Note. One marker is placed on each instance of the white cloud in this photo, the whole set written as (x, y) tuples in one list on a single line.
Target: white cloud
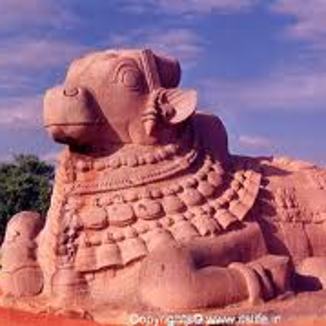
[(14, 9), (187, 6), (23, 60), (33, 12), (24, 57), (15, 82), (255, 142), (37, 53), (51, 157), (310, 22), (21, 112), (297, 85), (181, 43), (294, 91)]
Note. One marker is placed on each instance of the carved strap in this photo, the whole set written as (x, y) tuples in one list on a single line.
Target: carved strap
[(150, 70)]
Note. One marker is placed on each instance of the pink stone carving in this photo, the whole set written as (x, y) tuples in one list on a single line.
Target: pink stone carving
[(21, 275), (150, 209)]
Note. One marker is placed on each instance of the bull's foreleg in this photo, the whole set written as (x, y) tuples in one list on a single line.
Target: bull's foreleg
[(213, 272)]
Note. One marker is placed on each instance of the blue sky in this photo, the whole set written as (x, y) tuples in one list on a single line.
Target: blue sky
[(258, 64)]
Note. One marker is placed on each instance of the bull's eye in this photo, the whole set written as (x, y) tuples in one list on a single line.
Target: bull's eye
[(127, 73), (131, 78)]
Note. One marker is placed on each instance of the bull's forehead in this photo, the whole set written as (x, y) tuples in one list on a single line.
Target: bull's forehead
[(93, 65)]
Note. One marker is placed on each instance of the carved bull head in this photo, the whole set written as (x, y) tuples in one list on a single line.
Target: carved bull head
[(120, 97)]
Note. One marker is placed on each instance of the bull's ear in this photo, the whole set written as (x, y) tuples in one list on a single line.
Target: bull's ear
[(172, 105), (177, 105)]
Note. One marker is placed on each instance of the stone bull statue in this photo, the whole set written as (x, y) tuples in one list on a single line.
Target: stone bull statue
[(150, 208)]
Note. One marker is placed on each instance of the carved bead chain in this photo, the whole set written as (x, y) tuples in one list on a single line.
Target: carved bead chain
[(128, 160)]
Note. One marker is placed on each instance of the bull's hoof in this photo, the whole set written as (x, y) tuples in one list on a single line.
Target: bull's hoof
[(311, 274)]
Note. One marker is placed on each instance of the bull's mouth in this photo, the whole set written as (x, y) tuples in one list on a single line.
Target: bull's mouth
[(73, 133), (71, 107), (72, 124)]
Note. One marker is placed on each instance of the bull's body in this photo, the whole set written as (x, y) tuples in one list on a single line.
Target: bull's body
[(163, 217)]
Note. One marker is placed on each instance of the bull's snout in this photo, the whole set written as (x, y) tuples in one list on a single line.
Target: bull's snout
[(70, 106), (69, 112)]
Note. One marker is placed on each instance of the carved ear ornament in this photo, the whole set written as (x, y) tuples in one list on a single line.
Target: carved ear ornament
[(150, 114), (172, 105)]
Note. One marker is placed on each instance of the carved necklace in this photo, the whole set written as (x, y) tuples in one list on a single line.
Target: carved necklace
[(113, 222), (128, 160), (94, 175)]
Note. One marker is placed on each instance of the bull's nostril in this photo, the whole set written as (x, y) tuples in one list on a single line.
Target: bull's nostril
[(71, 91)]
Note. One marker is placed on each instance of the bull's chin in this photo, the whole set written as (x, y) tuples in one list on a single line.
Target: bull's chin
[(86, 138), (71, 134)]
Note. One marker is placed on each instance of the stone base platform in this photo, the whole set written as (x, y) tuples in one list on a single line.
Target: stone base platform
[(305, 309)]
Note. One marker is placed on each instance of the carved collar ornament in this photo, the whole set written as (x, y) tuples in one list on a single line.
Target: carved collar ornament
[(121, 207)]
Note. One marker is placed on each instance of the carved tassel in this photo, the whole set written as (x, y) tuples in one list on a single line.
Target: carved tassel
[(149, 116), (149, 126)]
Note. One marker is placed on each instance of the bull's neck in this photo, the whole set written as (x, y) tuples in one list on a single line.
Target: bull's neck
[(133, 165)]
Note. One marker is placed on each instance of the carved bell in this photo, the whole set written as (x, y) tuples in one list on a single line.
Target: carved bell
[(192, 197), (157, 237), (108, 255), (206, 189), (183, 231), (173, 204), (148, 209), (94, 218), (205, 225), (225, 218), (85, 260), (132, 249), (120, 214)]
